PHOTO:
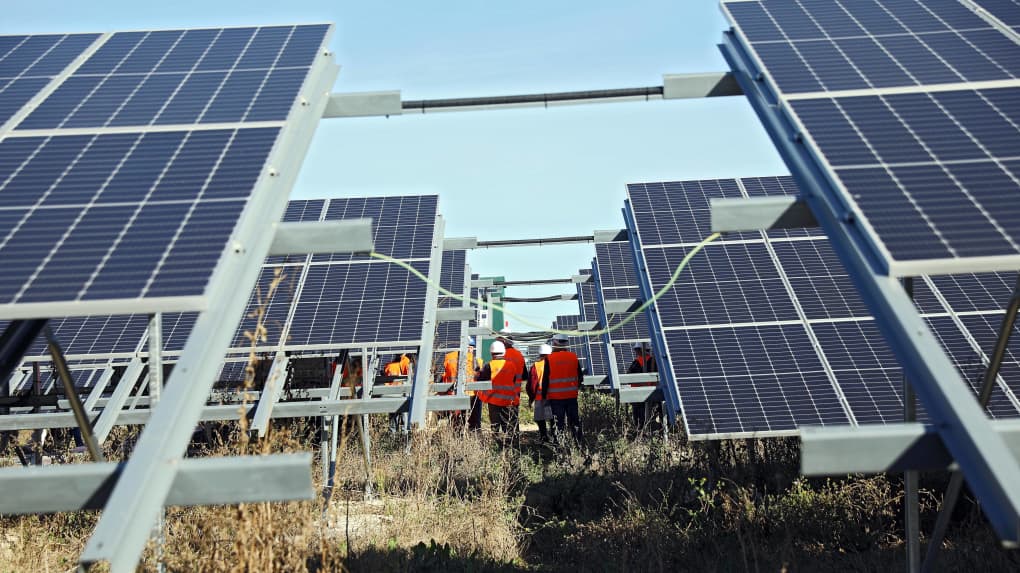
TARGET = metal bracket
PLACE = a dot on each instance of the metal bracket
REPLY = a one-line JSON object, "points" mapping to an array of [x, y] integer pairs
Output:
{"points": [[640, 395], [581, 279], [198, 481], [760, 213], [693, 86], [611, 236], [275, 382], [620, 306], [460, 243], [884, 448], [347, 236], [363, 104], [455, 314]]}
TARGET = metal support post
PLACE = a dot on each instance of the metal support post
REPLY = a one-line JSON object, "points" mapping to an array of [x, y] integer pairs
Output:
{"points": [[911, 502], [271, 393], [988, 385], [15, 341], [366, 436], [155, 358], [329, 426], [423, 370], [84, 424], [108, 418]]}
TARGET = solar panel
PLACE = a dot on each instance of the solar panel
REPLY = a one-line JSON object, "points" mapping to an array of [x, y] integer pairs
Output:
{"points": [[594, 352], [448, 334], [615, 262], [29, 63], [92, 213], [1005, 11], [765, 335], [912, 108], [346, 299]]}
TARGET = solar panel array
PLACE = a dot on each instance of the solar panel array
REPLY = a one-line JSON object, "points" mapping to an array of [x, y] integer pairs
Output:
{"points": [[358, 318], [616, 279], [97, 203], [764, 332], [912, 108], [593, 348]]}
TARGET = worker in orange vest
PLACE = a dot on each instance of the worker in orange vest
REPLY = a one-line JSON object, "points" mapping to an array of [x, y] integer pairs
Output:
{"points": [[644, 361], [561, 379], [514, 354], [505, 396], [542, 409], [451, 365]]}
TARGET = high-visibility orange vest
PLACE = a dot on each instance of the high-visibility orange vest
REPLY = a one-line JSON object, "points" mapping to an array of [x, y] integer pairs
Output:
{"points": [[515, 356], [647, 363], [405, 365], [563, 382], [451, 362], [393, 369], [536, 381], [506, 384]]}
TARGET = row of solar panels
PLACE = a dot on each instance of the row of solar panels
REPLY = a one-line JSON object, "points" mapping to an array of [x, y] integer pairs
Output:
{"points": [[763, 332], [317, 302]]}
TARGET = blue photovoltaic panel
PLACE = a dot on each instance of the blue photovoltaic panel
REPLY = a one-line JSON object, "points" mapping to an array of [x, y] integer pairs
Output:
{"points": [[618, 281], [593, 349], [930, 167], [226, 75], [299, 211], [722, 290], [95, 334], [110, 215], [269, 306], [347, 300], [49, 383], [402, 226], [971, 364], [751, 379], [451, 278], [724, 284], [97, 217], [1006, 11], [866, 370], [29, 63], [359, 302], [576, 343]]}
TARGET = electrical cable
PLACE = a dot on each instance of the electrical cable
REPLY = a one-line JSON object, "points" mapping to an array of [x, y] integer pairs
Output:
{"points": [[628, 318]]}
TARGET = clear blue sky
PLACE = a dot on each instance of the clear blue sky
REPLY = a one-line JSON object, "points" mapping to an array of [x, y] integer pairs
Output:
{"points": [[503, 174]]}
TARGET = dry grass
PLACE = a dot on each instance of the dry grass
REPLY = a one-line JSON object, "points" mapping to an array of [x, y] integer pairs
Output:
{"points": [[454, 501]]}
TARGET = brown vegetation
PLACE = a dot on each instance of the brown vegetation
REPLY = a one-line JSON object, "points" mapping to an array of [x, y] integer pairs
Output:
{"points": [[451, 501]]}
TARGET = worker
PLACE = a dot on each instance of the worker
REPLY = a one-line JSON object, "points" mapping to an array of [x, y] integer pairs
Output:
{"points": [[406, 362], [451, 366], [505, 396], [393, 367], [562, 377], [643, 361], [542, 409], [514, 354]]}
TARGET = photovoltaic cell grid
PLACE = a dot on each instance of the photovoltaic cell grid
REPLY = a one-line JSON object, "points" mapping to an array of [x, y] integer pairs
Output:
{"points": [[1006, 11], [617, 280], [348, 299], [576, 343], [744, 320], [94, 214], [925, 151], [593, 349], [451, 278], [29, 63]]}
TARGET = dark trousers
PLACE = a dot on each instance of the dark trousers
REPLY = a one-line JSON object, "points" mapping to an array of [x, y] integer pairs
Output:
{"points": [[543, 429], [504, 423], [565, 412], [475, 414]]}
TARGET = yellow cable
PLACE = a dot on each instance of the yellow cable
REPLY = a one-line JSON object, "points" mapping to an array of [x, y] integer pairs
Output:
{"points": [[630, 316]]}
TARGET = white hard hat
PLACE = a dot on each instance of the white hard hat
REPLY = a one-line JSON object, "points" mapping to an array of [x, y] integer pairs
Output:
{"points": [[544, 349], [497, 348], [560, 340]]}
